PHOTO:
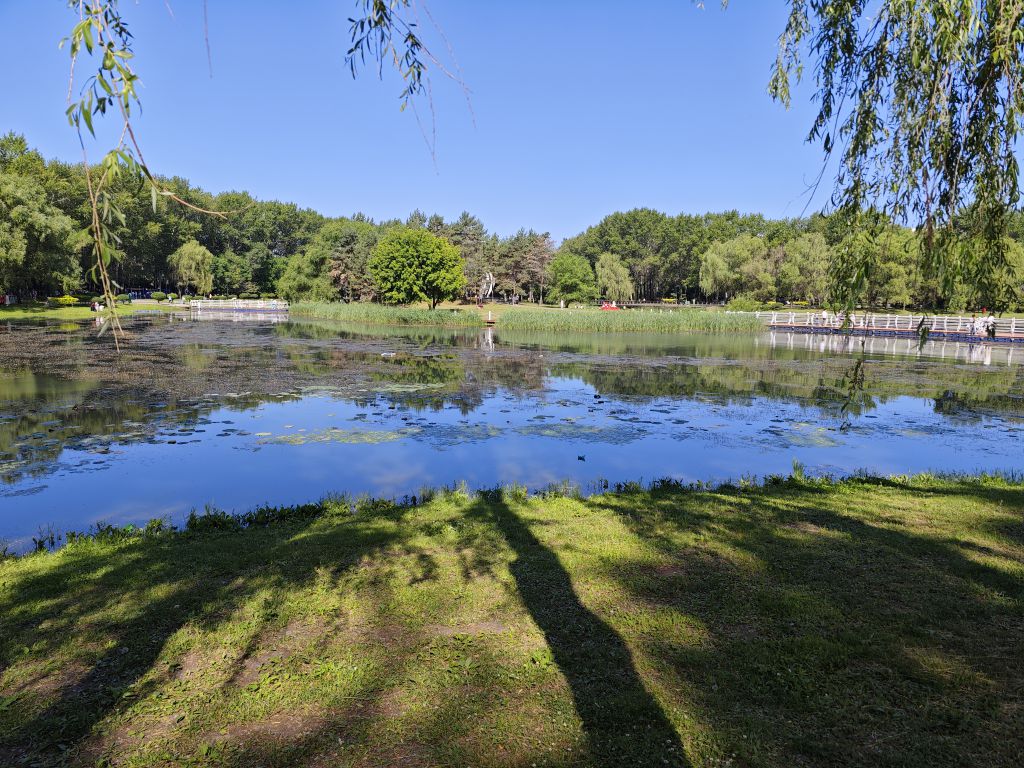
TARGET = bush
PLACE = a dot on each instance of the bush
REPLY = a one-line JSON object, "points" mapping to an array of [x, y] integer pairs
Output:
{"points": [[172, 296], [248, 295], [62, 301], [158, 295], [268, 295], [123, 298], [743, 303], [96, 300]]}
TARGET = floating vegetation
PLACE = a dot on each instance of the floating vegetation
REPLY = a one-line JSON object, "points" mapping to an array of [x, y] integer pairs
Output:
{"points": [[335, 435], [446, 435], [583, 432], [805, 435]]}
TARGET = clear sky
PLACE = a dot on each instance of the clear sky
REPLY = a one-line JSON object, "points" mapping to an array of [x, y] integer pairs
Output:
{"points": [[579, 108]]}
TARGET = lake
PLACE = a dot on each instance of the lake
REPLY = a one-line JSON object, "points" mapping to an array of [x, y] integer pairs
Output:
{"points": [[239, 414]]}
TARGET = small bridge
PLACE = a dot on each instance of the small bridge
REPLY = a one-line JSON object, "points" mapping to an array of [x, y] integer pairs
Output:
{"points": [[231, 306], [1009, 330]]}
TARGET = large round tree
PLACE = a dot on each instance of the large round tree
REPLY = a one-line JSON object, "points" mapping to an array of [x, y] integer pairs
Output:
{"points": [[414, 265]]}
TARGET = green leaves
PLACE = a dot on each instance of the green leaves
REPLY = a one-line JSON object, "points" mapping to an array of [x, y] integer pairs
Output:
{"points": [[191, 267], [924, 101], [410, 265], [572, 279]]}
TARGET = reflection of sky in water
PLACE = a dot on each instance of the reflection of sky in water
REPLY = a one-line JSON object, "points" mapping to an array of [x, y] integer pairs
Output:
{"points": [[387, 413], [287, 452]]}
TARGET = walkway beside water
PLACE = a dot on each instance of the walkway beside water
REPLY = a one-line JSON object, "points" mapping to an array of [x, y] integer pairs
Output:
{"points": [[1009, 330]]}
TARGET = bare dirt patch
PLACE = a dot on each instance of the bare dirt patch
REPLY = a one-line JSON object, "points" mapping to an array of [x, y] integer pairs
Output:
{"points": [[297, 635], [285, 727], [491, 627], [68, 677]]}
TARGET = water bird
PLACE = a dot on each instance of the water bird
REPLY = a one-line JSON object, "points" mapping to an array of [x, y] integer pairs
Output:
{"points": [[581, 458]]}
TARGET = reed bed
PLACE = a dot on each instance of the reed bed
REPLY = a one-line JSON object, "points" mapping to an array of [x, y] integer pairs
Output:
{"points": [[628, 321], [382, 315]]}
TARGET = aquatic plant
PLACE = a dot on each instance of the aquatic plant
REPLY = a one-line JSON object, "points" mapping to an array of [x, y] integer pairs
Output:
{"points": [[627, 321], [359, 312], [335, 435]]}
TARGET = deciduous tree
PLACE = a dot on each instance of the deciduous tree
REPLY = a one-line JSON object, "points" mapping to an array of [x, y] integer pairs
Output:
{"points": [[613, 278], [411, 265], [192, 268], [571, 278]]}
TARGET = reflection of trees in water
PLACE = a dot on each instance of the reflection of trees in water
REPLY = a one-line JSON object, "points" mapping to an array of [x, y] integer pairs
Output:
{"points": [[169, 382], [328, 330], [42, 416], [734, 384], [823, 384]]}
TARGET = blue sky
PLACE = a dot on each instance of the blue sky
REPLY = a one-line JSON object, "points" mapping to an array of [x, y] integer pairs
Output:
{"points": [[578, 108]]}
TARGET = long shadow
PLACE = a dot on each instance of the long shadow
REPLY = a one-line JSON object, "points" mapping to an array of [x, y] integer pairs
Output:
{"points": [[623, 722], [843, 623], [197, 583]]}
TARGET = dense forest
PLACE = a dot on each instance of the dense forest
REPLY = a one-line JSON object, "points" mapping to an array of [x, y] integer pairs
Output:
{"points": [[273, 248]]}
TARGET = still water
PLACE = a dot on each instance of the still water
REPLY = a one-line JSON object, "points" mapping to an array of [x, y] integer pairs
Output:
{"points": [[235, 415]]}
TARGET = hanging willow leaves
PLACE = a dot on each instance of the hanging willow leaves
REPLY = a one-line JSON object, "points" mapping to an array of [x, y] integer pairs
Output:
{"points": [[105, 38], [923, 102]]}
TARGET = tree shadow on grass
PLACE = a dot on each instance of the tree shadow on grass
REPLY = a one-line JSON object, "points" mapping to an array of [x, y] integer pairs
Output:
{"points": [[837, 635], [623, 722], [123, 605]]}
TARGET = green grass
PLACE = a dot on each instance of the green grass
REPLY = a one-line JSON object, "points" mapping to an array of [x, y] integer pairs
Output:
{"points": [[42, 312], [379, 314], [628, 321], [867, 622]]}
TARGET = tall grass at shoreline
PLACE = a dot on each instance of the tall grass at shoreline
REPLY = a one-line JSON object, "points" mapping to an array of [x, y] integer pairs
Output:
{"points": [[528, 319], [628, 321], [381, 315]]}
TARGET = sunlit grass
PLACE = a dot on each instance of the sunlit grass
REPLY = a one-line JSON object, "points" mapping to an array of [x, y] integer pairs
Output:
{"points": [[382, 315], [627, 321], [43, 312], [865, 622]]}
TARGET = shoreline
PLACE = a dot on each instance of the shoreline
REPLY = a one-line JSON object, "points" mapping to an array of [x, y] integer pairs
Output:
{"points": [[797, 622]]}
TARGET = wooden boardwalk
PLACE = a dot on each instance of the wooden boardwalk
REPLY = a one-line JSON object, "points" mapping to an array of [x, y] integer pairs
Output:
{"points": [[232, 306], [1009, 330]]}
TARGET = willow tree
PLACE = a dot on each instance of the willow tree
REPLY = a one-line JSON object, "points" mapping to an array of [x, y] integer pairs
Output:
{"points": [[922, 101], [192, 268], [613, 279]]}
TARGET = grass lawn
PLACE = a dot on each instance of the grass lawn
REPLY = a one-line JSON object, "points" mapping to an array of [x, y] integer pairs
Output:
{"points": [[874, 623], [42, 312]]}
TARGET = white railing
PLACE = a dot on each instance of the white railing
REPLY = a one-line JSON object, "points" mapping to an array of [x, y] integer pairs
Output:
{"points": [[238, 305], [873, 321]]}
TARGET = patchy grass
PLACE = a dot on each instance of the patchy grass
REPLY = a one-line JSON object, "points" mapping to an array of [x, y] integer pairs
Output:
{"points": [[43, 312], [866, 622], [358, 312], [628, 321]]}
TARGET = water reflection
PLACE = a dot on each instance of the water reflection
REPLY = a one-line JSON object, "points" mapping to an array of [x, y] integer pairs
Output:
{"points": [[238, 414]]}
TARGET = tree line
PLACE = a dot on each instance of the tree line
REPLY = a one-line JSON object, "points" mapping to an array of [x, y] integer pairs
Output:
{"points": [[274, 248]]}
